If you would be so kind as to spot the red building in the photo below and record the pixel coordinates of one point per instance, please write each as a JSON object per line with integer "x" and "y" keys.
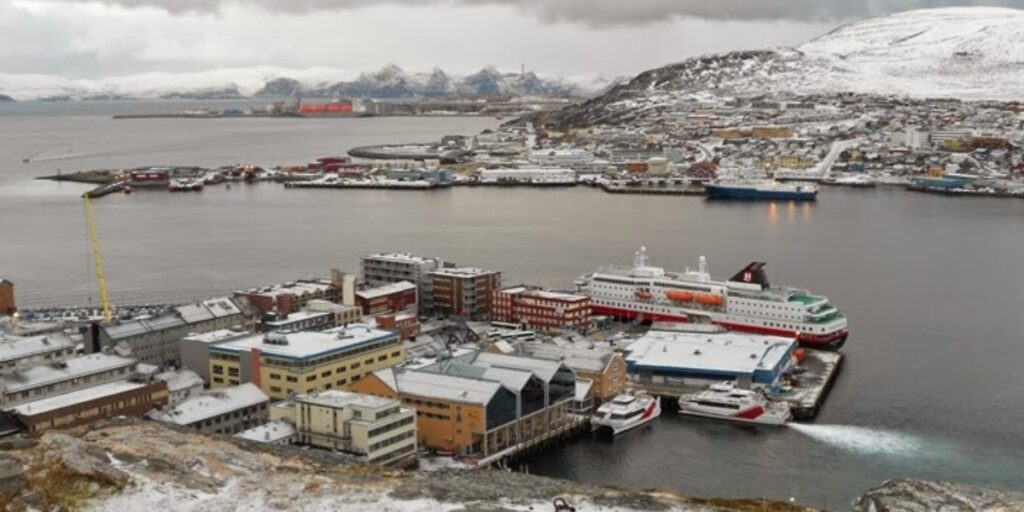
{"x": 334, "y": 108}
{"x": 152, "y": 177}
{"x": 541, "y": 310}
{"x": 465, "y": 292}
{"x": 388, "y": 299}
{"x": 286, "y": 298}
{"x": 7, "y": 306}
{"x": 405, "y": 324}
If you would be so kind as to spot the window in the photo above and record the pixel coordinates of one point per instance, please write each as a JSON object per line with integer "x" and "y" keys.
{"x": 218, "y": 368}
{"x": 275, "y": 376}
{"x": 311, "y": 378}
{"x": 291, "y": 379}
{"x": 275, "y": 389}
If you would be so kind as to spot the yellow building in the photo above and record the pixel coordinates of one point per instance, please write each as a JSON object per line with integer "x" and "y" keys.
{"x": 378, "y": 430}
{"x": 284, "y": 364}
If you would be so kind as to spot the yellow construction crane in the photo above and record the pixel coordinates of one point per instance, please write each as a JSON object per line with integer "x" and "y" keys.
{"x": 95, "y": 241}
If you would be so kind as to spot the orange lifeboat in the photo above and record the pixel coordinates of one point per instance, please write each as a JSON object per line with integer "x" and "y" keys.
{"x": 710, "y": 299}
{"x": 679, "y": 295}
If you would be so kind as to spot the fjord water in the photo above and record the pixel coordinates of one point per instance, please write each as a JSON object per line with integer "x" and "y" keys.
{"x": 933, "y": 385}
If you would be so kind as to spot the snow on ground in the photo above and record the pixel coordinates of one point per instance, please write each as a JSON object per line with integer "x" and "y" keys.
{"x": 243, "y": 495}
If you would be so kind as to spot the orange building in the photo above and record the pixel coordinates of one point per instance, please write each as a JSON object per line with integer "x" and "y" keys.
{"x": 481, "y": 403}
{"x": 7, "y": 306}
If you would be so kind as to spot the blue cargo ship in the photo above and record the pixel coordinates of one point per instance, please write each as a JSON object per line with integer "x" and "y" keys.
{"x": 761, "y": 190}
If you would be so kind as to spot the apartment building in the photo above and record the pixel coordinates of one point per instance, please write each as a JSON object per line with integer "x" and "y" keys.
{"x": 118, "y": 398}
{"x": 465, "y": 292}
{"x": 76, "y": 373}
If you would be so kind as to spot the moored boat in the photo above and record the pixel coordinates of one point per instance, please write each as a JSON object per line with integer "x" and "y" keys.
{"x": 626, "y": 412}
{"x": 746, "y": 302}
{"x": 724, "y": 401}
{"x": 761, "y": 190}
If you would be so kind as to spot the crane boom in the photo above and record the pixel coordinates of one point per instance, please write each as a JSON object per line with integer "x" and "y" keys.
{"x": 95, "y": 241}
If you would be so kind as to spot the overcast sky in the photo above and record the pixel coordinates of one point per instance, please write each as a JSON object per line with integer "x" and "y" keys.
{"x": 79, "y": 38}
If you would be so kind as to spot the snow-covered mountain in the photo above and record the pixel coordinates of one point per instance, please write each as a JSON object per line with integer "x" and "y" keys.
{"x": 390, "y": 81}
{"x": 965, "y": 52}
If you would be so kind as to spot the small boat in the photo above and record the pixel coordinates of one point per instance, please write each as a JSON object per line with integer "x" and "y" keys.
{"x": 626, "y": 412}
{"x": 857, "y": 180}
{"x": 724, "y": 401}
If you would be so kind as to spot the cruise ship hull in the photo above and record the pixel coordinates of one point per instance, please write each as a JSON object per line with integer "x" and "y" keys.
{"x": 830, "y": 341}
{"x": 756, "y": 194}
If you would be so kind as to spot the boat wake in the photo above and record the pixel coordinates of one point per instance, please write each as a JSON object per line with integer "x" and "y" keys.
{"x": 867, "y": 441}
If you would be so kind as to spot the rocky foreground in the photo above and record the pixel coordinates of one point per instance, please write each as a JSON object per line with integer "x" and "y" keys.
{"x": 129, "y": 465}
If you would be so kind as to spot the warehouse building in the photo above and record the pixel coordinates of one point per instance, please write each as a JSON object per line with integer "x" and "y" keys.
{"x": 119, "y": 398}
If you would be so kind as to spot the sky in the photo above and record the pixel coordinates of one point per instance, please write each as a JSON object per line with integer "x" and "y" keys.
{"x": 95, "y": 39}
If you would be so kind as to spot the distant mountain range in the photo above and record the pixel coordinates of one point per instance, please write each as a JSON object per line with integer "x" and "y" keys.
{"x": 388, "y": 82}
{"x": 969, "y": 53}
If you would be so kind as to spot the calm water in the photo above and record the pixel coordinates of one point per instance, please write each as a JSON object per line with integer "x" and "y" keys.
{"x": 934, "y": 381}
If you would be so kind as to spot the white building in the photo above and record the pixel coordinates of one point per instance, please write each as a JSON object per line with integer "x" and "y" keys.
{"x": 570, "y": 158}
{"x": 181, "y": 385}
{"x": 534, "y": 176}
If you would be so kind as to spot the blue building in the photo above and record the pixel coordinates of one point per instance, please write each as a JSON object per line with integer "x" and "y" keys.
{"x": 692, "y": 358}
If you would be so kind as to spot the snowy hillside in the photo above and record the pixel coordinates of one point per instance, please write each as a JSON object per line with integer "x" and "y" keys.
{"x": 968, "y": 53}
{"x": 390, "y": 81}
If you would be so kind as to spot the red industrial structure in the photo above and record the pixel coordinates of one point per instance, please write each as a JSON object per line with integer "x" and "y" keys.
{"x": 542, "y": 310}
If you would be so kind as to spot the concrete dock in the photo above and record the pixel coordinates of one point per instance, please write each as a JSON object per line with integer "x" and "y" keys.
{"x": 805, "y": 397}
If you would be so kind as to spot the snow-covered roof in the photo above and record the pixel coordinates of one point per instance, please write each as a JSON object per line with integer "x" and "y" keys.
{"x": 723, "y": 352}
{"x": 388, "y": 289}
{"x": 340, "y": 399}
{"x": 213, "y": 337}
{"x": 586, "y": 359}
{"x": 76, "y": 397}
{"x": 270, "y": 432}
{"x": 307, "y": 344}
{"x": 73, "y": 368}
{"x": 441, "y": 386}
{"x": 399, "y": 257}
{"x": 15, "y": 347}
{"x": 461, "y": 272}
{"x": 542, "y": 368}
{"x": 135, "y": 328}
{"x": 212, "y": 404}
{"x": 208, "y": 310}
{"x": 178, "y": 380}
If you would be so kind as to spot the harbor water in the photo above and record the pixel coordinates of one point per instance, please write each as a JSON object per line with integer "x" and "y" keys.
{"x": 932, "y": 385}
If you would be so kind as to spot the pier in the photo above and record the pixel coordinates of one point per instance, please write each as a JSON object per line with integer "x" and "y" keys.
{"x": 805, "y": 397}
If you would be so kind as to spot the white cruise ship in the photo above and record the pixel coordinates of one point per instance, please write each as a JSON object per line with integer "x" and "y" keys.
{"x": 746, "y": 302}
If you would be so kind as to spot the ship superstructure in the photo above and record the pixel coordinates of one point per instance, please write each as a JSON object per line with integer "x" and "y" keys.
{"x": 746, "y": 302}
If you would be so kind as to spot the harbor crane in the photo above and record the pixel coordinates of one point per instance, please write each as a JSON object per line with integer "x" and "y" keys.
{"x": 94, "y": 240}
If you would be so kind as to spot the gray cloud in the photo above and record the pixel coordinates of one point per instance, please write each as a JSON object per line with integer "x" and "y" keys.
{"x": 610, "y": 12}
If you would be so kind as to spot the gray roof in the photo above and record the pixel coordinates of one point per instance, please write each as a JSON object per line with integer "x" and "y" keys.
{"x": 586, "y": 359}
{"x": 140, "y": 327}
{"x": 208, "y": 310}
{"x": 71, "y": 369}
{"x": 212, "y": 404}
{"x": 542, "y": 368}
{"x": 441, "y": 386}
{"x": 16, "y": 347}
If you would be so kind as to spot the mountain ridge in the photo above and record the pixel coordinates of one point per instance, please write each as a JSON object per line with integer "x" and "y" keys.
{"x": 968, "y": 53}
{"x": 390, "y": 81}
